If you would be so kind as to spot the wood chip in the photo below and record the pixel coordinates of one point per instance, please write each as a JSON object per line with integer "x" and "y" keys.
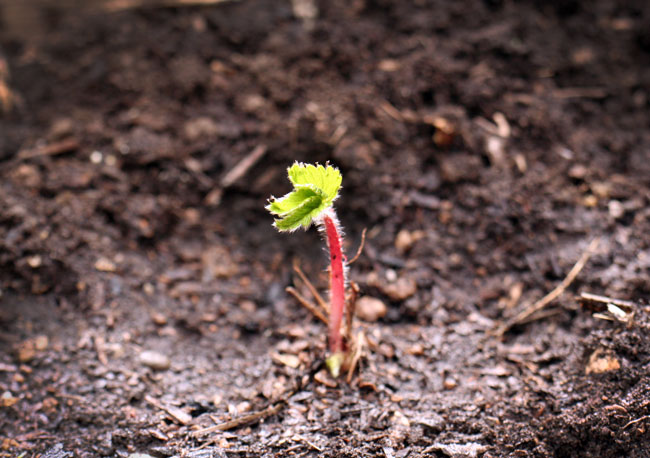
{"x": 51, "y": 149}
{"x": 324, "y": 378}
{"x": 241, "y": 421}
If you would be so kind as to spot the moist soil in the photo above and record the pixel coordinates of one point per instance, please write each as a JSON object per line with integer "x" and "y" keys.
{"x": 484, "y": 145}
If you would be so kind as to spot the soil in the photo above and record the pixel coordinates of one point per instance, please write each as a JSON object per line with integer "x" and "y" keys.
{"x": 483, "y": 144}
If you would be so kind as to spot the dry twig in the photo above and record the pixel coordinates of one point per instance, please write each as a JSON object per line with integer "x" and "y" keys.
{"x": 244, "y": 420}
{"x": 634, "y": 422}
{"x": 525, "y": 314}
{"x": 360, "y": 249}
{"x": 308, "y": 305}
{"x": 177, "y": 414}
{"x": 234, "y": 174}
{"x": 314, "y": 292}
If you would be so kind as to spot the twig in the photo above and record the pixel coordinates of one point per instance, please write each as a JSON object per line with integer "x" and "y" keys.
{"x": 117, "y": 5}
{"x": 554, "y": 294}
{"x": 350, "y": 308}
{"x": 308, "y": 305}
{"x": 361, "y": 245}
{"x": 177, "y": 414}
{"x": 100, "y": 348}
{"x": 580, "y": 92}
{"x": 243, "y": 166}
{"x": 588, "y": 298}
{"x": 633, "y": 422}
{"x": 241, "y": 421}
{"x": 234, "y": 174}
{"x": 356, "y": 355}
{"x": 314, "y": 292}
{"x": 51, "y": 149}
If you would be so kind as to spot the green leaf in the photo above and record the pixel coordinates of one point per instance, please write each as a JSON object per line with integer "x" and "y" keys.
{"x": 315, "y": 188}
{"x": 327, "y": 179}
{"x": 299, "y": 216}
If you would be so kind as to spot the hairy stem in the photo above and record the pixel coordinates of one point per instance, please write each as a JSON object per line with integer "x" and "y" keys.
{"x": 337, "y": 281}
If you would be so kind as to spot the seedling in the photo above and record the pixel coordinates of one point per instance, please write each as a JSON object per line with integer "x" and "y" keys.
{"x": 316, "y": 187}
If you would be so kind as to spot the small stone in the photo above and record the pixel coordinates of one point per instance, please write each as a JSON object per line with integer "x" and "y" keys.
{"x": 27, "y": 349}
{"x": 370, "y": 309}
{"x": 401, "y": 289}
{"x": 7, "y": 399}
{"x": 34, "y": 261}
{"x": 287, "y": 360}
{"x": 400, "y": 419}
{"x": 602, "y": 361}
{"x": 578, "y": 172}
{"x": 202, "y": 127}
{"x": 158, "y": 318}
{"x": 405, "y": 240}
{"x": 432, "y": 421}
{"x": 96, "y": 157}
{"x": 449, "y": 383}
{"x": 389, "y": 65}
{"x": 520, "y": 162}
{"x": 41, "y": 342}
{"x": 415, "y": 350}
{"x": 50, "y": 404}
{"x": 590, "y": 201}
{"x": 469, "y": 450}
{"x": 155, "y": 360}
{"x": 105, "y": 265}
{"x": 616, "y": 209}
{"x": 148, "y": 289}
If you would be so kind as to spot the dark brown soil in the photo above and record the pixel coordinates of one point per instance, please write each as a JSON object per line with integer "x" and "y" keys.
{"x": 484, "y": 144}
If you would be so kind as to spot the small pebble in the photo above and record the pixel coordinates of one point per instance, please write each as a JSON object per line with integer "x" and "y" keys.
{"x": 155, "y": 360}
{"x": 370, "y": 309}
{"x": 449, "y": 383}
{"x": 401, "y": 289}
{"x": 105, "y": 265}
{"x": 616, "y": 209}
{"x": 602, "y": 361}
{"x": 405, "y": 240}
{"x": 158, "y": 318}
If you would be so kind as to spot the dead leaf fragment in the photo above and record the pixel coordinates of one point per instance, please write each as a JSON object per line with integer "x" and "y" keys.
{"x": 324, "y": 378}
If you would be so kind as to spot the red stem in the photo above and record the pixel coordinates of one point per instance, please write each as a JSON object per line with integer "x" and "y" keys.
{"x": 337, "y": 284}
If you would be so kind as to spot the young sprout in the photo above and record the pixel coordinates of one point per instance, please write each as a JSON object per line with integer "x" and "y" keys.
{"x": 315, "y": 187}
